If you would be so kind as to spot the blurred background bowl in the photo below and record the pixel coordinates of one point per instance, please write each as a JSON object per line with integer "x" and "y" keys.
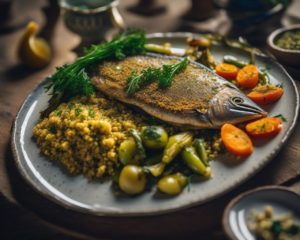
{"x": 290, "y": 57}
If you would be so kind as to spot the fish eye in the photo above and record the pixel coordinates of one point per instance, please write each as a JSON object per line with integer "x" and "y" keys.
{"x": 237, "y": 100}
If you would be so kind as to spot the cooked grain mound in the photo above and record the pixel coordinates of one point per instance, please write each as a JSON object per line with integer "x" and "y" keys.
{"x": 85, "y": 134}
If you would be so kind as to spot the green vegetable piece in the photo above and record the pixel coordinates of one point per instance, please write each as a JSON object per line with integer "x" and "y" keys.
{"x": 172, "y": 184}
{"x": 234, "y": 61}
{"x": 154, "y": 137}
{"x": 281, "y": 117}
{"x": 157, "y": 169}
{"x": 264, "y": 77}
{"x": 154, "y": 159}
{"x": 199, "y": 146}
{"x": 127, "y": 151}
{"x": 139, "y": 143}
{"x": 189, "y": 155}
{"x": 294, "y": 229}
{"x": 157, "y": 48}
{"x": 175, "y": 144}
{"x": 58, "y": 113}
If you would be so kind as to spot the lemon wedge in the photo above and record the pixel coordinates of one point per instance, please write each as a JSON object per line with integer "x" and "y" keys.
{"x": 34, "y": 51}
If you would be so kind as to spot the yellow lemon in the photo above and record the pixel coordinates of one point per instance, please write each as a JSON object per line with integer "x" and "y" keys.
{"x": 34, "y": 51}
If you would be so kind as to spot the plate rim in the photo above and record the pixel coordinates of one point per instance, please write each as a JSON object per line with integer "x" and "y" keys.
{"x": 175, "y": 207}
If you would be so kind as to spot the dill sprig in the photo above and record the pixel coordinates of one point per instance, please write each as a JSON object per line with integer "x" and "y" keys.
{"x": 169, "y": 72}
{"x": 164, "y": 75}
{"x": 72, "y": 80}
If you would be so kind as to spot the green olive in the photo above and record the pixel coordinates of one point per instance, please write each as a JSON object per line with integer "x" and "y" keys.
{"x": 128, "y": 152}
{"x": 154, "y": 137}
{"x": 132, "y": 179}
{"x": 172, "y": 184}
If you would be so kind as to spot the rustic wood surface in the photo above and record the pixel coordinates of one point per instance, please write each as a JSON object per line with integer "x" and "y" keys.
{"x": 24, "y": 214}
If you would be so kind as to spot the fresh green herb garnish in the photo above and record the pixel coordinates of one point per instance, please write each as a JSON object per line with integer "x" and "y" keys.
{"x": 139, "y": 144}
{"x": 52, "y": 130}
{"x": 92, "y": 115}
{"x": 253, "y": 130}
{"x": 268, "y": 66}
{"x": 169, "y": 72}
{"x": 281, "y": 117}
{"x": 58, "y": 113}
{"x": 189, "y": 180}
{"x": 145, "y": 76}
{"x": 78, "y": 111}
{"x": 281, "y": 85}
{"x": 72, "y": 80}
{"x": 71, "y": 105}
{"x": 164, "y": 74}
{"x": 150, "y": 133}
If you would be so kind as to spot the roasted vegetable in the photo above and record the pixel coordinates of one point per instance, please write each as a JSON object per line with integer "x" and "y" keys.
{"x": 236, "y": 141}
{"x": 199, "y": 146}
{"x": 132, "y": 179}
{"x": 128, "y": 151}
{"x": 265, "y": 94}
{"x": 176, "y": 144}
{"x": 172, "y": 184}
{"x": 154, "y": 137}
{"x": 189, "y": 155}
{"x": 264, "y": 128}
{"x": 158, "y": 48}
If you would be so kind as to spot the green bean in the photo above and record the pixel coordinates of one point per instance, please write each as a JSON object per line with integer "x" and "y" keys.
{"x": 189, "y": 155}
{"x": 199, "y": 146}
{"x": 233, "y": 60}
{"x": 264, "y": 77}
{"x": 139, "y": 144}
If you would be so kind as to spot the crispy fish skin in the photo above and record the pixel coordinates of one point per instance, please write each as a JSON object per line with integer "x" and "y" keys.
{"x": 198, "y": 98}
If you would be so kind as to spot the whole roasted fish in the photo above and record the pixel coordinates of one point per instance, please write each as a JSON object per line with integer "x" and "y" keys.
{"x": 198, "y": 98}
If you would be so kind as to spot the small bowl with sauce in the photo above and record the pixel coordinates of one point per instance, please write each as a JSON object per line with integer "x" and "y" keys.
{"x": 284, "y": 44}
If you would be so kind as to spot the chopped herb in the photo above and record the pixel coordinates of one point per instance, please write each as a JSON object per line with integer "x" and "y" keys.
{"x": 281, "y": 117}
{"x": 268, "y": 66}
{"x": 150, "y": 133}
{"x": 90, "y": 110}
{"x": 139, "y": 144}
{"x": 281, "y": 85}
{"x": 72, "y": 80}
{"x": 164, "y": 74}
{"x": 294, "y": 229}
{"x": 71, "y": 105}
{"x": 253, "y": 130}
{"x": 276, "y": 228}
{"x": 52, "y": 130}
{"x": 189, "y": 180}
{"x": 58, "y": 113}
{"x": 92, "y": 115}
{"x": 77, "y": 111}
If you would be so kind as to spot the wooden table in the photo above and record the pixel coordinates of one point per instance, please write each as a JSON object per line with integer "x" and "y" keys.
{"x": 24, "y": 214}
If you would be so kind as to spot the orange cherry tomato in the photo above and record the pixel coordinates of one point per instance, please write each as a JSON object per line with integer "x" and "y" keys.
{"x": 265, "y": 94}
{"x": 264, "y": 128}
{"x": 236, "y": 140}
{"x": 227, "y": 71}
{"x": 247, "y": 77}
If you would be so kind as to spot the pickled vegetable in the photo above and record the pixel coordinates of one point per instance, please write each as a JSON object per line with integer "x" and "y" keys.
{"x": 172, "y": 184}
{"x": 176, "y": 144}
{"x": 157, "y": 169}
{"x": 132, "y": 179}
{"x": 154, "y": 137}
{"x": 199, "y": 146}
{"x": 189, "y": 155}
{"x": 128, "y": 152}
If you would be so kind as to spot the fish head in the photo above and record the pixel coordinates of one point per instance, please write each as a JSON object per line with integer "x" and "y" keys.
{"x": 230, "y": 105}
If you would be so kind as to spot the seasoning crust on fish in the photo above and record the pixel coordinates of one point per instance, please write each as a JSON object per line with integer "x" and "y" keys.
{"x": 197, "y": 98}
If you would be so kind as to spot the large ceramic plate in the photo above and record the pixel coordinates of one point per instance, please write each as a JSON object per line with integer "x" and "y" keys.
{"x": 50, "y": 179}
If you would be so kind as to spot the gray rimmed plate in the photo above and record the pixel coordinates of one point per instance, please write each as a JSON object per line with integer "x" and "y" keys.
{"x": 51, "y": 179}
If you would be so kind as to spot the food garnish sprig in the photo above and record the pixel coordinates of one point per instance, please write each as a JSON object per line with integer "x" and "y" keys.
{"x": 72, "y": 80}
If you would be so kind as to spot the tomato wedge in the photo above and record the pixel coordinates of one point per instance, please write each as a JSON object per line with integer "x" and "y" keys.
{"x": 236, "y": 141}
{"x": 247, "y": 77}
{"x": 227, "y": 71}
{"x": 264, "y": 128}
{"x": 265, "y": 94}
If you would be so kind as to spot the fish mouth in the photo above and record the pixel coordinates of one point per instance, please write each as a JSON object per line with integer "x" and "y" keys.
{"x": 254, "y": 111}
